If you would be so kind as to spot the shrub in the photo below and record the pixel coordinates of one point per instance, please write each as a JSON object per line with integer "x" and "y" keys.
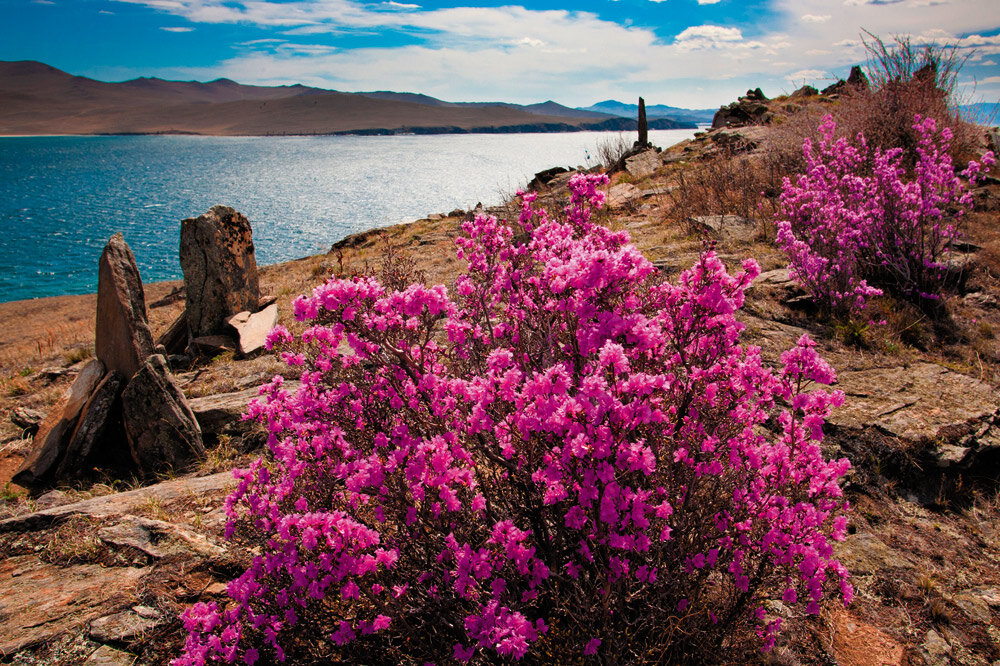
{"x": 571, "y": 458}
{"x": 854, "y": 224}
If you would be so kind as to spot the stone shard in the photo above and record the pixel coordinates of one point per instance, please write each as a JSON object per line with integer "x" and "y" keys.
{"x": 252, "y": 329}
{"x": 123, "y": 338}
{"x": 161, "y": 429}
{"x": 95, "y": 418}
{"x": 54, "y": 433}
{"x": 643, "y": 126}
{"x": 220, "y": 268}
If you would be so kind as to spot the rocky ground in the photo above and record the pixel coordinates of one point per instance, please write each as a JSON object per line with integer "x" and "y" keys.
{"x": 96, "y": 571}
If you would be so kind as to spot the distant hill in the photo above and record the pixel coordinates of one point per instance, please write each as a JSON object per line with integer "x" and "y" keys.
{"x": 38, "y": 99}
{"x": 613, "y": 107}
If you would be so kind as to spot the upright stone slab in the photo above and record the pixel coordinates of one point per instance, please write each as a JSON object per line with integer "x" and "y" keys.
{"x": 124, "y": 339}
{"x": 97, "y": 416}
{"x": 161, "y": 428}
{"x": 220, "y": 269}
{"x": 54, "y": 433}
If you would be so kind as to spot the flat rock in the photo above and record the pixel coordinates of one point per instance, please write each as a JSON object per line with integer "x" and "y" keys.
{"x": 729, "y": 227}
{"x": 220, "y": 268}
{"x": 52, "y": 438}
{"x": 157, "y": 538}
{"x": 643, "y": 164}
{"x": 222, "y": 411}
{"x": 213, "y": 344}
{"x": 252, "y": 329}
{"x": 913, "y": 402}
{"x": 119, "y": 504}
{"x": 121, "y": 626}
{"x": 622, "y": 195}
{"x": 27, "y": 418}
{"x": 108, "y": 656}
{"x": 161, "y": 428}
{"x": 936, "y": 651}
{"x": 39, "y": 601}
{"x": 123, "y": 338}
{"x": 95, "y": 419}
{"x": 974, "y": 606}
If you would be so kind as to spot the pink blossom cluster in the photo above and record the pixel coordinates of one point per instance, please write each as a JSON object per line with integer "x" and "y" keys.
{"x": 857, "y": 224}
{"x": 571, "y": 454}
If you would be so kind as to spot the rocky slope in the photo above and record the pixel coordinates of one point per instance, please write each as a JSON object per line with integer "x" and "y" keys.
{"x": 96, "y": 573}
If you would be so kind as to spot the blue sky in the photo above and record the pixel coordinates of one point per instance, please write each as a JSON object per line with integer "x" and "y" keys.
{"x": 690, "y": 53}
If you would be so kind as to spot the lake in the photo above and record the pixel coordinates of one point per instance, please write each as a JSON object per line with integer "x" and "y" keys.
{"x": 61, "y": 198}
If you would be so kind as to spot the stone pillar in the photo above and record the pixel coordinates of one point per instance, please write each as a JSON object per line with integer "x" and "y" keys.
{"x": 643, "y": 126}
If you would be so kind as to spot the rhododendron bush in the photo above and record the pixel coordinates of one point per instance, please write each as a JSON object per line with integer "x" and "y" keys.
{"x": 856, "y": 224}
{"x": 568, "y": 458}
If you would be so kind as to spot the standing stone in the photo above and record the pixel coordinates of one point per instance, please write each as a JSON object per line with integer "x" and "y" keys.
{"x": 95, "y": 418}
{"x": 161, "y": 428}
{"x": 54, "y": 433}
{"x": 220, "y": 269}
{"x": 643, "y": 126}
{"x": 124, "y": 339}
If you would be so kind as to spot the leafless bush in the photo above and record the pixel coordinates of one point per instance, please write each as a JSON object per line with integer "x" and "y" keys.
{"x": 612, "y": 148}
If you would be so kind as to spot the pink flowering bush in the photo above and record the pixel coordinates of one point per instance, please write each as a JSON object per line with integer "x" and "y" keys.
{"x": 856, "y": 224}
{"x": 569, "y": 458}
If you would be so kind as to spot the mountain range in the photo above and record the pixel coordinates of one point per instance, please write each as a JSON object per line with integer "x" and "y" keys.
{"x": 36, "y": 98}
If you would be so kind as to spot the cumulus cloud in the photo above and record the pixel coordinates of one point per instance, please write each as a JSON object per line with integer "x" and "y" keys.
{"x": 176, "y": 29}
{"x": 709, "y": 2}
{"x": 813, "y": 18}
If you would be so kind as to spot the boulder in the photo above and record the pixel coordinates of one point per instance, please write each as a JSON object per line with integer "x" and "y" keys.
{"x": 252, "y": 329}
{"x": 220, "y": 268}
{"x": 643, "y": 164}
{"x": 95, "y": 418}
{"x": 123, "y": 337}
{"x": 53, "y": 436}
{"x": 161, "y": 429}
{"x": 804, "y": 91}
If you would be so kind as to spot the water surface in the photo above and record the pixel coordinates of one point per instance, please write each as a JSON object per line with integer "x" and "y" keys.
{"x": 61, "y": 198}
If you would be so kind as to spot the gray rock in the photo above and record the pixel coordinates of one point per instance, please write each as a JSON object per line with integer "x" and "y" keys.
{"x": 161, "y": 429}
{"x": 643, "y": 164}
{"x": 108, "y": 656}
{"x": 729, "y": 227}
{"x": 210, "y": 345}
{"x": 95, "y": 419}
{"x": 41, "y": 601}
{"x": 622, "y": 195}
{"x": 119, "y": 627}
{"x": 157, "y": 538}
{"x": 974, "y": 606}
{"x": 27, "y": 418}
{"x": 123, "y": 338}
{"x": 51, "y": 499}
{"x": 936, "y": 651}
{"x": 915, "y": 402}
{"x": 223, "y": 412}
{"x": 220, "y": 268}
{"x": 54, "y": 433}
{"x": 252, "y": 329}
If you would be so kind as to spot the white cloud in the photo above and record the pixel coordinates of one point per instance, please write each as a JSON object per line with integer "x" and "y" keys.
{"x": 521, "y": 54}
{"x": 176, "y": 29}
{"x": 709, "y": 2}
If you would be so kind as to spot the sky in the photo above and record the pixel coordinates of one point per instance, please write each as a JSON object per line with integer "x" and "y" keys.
{"x": 687, "y": 53}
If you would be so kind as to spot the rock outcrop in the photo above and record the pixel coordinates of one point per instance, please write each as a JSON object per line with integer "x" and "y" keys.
{"x": 161, "y": 428}
{"x": 252, "y": 329}
{"x": 751, "y": 109}
{"x": 96, "y": 419}
{"x": 220, "y": 269}
{"x": 123, "y": 337}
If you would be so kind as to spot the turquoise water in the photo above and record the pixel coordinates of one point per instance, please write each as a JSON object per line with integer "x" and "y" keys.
{"x": 61, "y": 198}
